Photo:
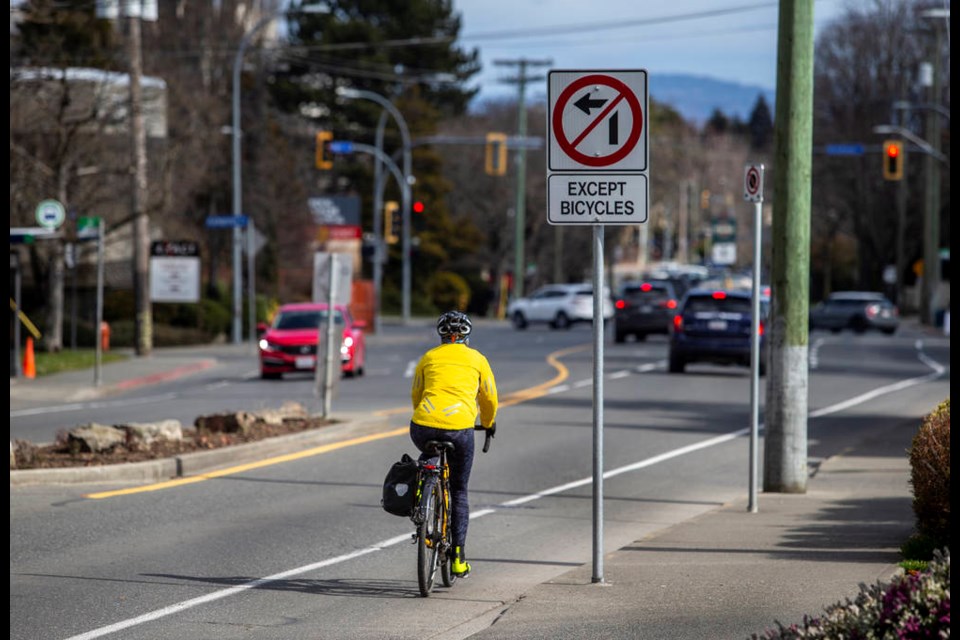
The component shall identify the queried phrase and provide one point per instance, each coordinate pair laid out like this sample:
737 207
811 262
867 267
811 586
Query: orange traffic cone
29 366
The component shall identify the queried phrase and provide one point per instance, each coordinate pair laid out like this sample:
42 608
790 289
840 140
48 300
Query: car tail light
669 304
760 328
719 295
621 304
873 309
678 323
646 286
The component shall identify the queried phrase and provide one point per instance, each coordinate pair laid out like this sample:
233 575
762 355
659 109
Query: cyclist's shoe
458 565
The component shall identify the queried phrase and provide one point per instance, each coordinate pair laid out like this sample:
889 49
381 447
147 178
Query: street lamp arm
906 106
351 93
890 129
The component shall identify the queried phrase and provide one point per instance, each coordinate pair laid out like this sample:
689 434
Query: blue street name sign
844 149
226 222
341 146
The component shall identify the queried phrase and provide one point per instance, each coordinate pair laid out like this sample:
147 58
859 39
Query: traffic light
324 157
495 163
418 207
391 221
705 199
892 160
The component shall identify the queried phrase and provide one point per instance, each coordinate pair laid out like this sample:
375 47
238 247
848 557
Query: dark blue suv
714 326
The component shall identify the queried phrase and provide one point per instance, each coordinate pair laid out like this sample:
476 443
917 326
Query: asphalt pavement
725 574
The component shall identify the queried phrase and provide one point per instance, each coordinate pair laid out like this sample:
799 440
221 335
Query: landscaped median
340 428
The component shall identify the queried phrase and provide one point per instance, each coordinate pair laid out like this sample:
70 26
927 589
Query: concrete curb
203 461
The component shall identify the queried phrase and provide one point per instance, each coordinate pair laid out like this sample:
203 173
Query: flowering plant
915 605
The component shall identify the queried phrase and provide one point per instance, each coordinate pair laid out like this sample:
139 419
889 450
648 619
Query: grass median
71 359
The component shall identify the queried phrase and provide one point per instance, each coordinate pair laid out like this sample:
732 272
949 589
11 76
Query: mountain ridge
697 97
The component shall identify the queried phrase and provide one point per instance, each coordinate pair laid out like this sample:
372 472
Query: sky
733 40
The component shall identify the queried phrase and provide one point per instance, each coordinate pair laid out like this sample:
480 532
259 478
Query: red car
290 342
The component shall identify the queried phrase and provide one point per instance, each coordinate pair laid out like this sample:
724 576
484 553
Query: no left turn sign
597 121
598 155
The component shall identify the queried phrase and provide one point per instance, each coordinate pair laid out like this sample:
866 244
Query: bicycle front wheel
428 542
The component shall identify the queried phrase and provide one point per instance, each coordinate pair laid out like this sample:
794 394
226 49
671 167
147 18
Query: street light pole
350 93
238 183
931 219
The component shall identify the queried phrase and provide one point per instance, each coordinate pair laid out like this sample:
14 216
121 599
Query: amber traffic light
324 159
495 161
391 221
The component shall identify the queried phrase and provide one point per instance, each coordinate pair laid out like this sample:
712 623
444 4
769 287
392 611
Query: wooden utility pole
521 80
785 416
143 335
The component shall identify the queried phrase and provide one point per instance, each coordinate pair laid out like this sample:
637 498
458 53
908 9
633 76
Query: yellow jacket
451 384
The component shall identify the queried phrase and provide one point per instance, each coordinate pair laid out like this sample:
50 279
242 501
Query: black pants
461 461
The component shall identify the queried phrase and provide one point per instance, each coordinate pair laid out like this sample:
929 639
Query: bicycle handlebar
488 436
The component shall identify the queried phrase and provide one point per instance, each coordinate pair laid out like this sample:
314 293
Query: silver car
856 310
558 305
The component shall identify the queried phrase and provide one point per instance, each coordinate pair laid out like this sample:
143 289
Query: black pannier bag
400 487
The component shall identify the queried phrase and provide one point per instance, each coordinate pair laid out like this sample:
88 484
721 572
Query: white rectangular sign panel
591 199
598 154
343 274
175 279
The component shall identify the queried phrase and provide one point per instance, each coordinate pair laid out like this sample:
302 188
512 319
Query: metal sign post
753 192
98 360
597 174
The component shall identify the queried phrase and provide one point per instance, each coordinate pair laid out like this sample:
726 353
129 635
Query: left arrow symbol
585 103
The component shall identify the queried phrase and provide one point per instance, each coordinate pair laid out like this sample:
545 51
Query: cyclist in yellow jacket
452 384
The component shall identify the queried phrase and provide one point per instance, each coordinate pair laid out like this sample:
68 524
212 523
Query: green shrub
919 547
930 475
215 317
448 291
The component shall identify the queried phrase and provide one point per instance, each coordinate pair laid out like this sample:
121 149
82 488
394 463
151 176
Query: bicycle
434 534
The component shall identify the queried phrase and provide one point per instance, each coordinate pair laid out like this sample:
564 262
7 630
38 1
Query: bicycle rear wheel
428 542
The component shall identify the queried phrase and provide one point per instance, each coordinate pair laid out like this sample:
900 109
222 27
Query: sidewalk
729 573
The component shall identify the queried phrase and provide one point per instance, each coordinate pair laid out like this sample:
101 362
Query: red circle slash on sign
624 93
753 181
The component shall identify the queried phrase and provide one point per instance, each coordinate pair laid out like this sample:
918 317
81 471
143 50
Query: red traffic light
418 207
893 150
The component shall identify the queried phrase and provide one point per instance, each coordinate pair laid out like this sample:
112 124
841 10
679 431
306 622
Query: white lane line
619 374
384 544
92 405
815 353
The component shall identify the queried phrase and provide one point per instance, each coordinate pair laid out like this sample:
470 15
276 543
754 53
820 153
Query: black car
714 326
857 310
643 308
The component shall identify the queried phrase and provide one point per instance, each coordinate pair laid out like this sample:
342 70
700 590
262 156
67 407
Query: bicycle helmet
454 323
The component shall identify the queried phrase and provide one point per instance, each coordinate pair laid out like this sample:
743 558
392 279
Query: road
301 549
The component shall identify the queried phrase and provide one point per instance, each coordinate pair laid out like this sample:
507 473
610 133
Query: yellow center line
511 399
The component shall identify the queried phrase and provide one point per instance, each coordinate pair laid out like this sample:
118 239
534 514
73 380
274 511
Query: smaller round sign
50 214
753 183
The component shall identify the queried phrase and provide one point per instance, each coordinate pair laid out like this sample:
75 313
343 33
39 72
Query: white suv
559 305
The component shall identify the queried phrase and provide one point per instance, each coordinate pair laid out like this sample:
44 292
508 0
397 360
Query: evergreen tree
760 125
406 53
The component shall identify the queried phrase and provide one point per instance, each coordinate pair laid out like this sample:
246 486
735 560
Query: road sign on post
50 214
598 151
